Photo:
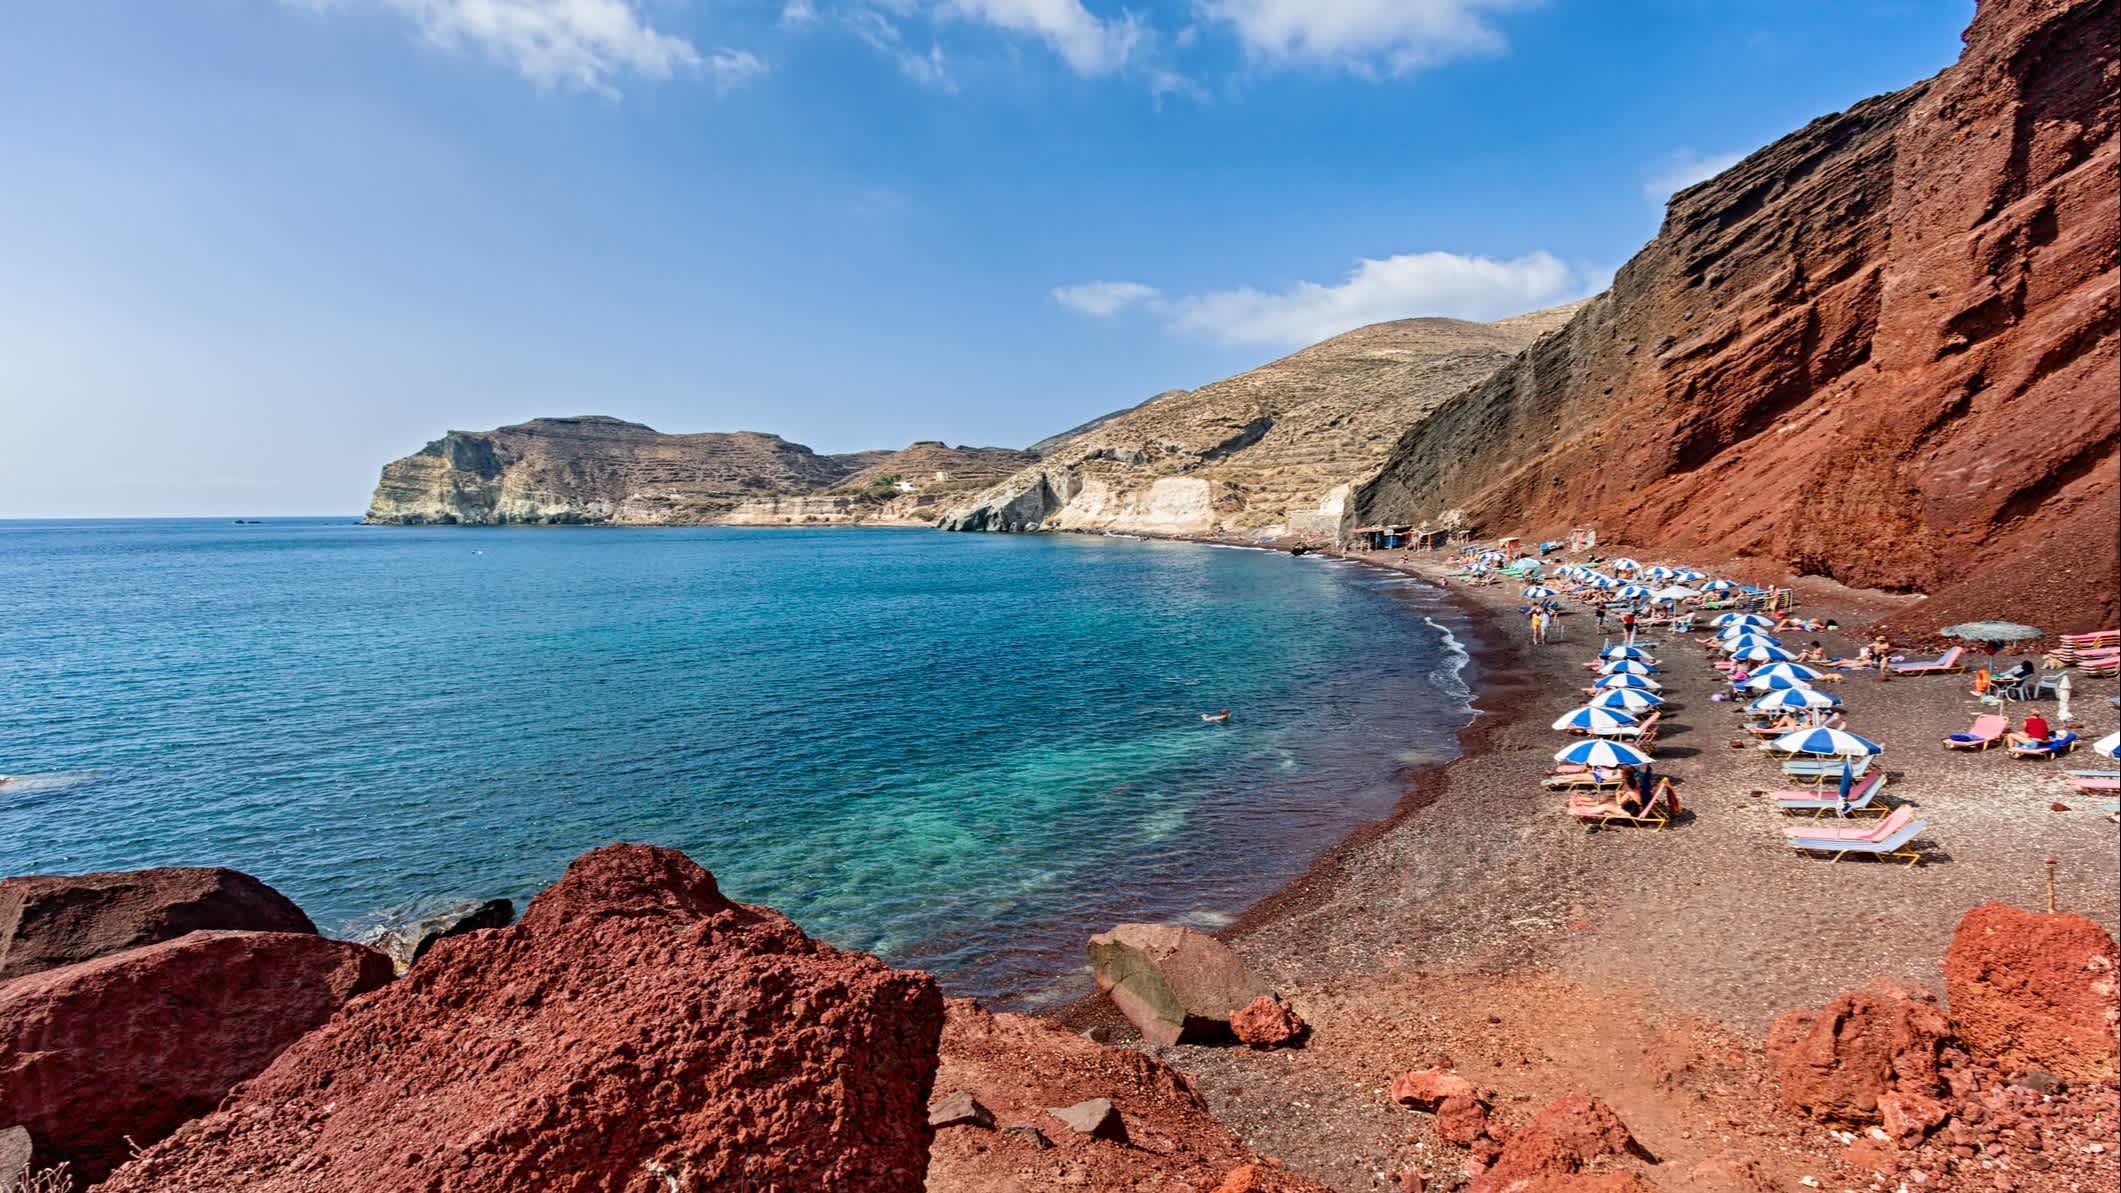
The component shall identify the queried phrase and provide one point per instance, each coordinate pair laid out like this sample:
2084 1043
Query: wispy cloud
1399 287
1088 44
1396 36
584 44
1104 298
798 14
1682 169
731 69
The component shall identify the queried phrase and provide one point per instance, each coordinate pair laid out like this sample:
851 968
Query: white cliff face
1170 505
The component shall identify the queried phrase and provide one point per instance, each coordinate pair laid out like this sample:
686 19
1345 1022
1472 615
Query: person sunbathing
2037 731
1813 652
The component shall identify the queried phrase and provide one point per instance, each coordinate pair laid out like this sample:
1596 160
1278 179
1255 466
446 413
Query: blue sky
251 249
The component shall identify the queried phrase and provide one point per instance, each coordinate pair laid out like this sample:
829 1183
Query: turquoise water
965 752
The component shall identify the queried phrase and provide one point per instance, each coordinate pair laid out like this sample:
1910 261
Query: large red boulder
1552 1150
131 1045
1834 1063
49 920
1176 984
2035 991
635 1032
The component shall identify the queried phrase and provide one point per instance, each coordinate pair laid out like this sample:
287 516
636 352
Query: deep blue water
965 752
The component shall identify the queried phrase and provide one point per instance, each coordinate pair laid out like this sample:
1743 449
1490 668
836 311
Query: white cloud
731 69
1401 287
1682 170
929 69
1104 298
1401 35
554 43
798 14
1089 45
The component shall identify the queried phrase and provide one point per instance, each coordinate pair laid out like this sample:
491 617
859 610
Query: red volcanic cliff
1881 349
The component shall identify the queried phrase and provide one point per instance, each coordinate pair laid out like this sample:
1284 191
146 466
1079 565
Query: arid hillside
1272 449
1881 349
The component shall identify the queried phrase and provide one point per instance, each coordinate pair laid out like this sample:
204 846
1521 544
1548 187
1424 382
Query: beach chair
1642 731
1597 813
2090 783
1585 779
1898 846
1877 830
1948 661
1986 731
1819 770
1863 800
2061 743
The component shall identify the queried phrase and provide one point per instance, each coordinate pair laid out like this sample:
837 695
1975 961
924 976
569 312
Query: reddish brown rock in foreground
2036 991
635 1032
1426 1089
1899 321
1019 1067
1833 1064
1550 1153
49 920
1175 984
1266 1022
133 1044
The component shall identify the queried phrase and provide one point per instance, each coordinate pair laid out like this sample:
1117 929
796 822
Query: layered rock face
128 1046
635 1031
2037 991
49 920
596 470
1881 349
1269 450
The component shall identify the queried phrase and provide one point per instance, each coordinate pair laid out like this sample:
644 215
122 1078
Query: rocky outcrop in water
593 470
129 1046
1881 349
49 920
635 1032
1269 451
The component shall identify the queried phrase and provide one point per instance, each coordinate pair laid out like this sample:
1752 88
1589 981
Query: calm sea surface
965 752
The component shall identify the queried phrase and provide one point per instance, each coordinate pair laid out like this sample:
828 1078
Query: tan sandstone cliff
597 470
1272 450
1881 349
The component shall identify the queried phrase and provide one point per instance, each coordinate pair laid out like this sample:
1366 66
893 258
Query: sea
962 752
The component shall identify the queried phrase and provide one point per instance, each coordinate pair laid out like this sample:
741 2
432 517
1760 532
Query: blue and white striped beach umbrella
1763 652
1730 619
1790 670
1737 642
1621 650
1763 682
2110 745
1593 719
1629 592
1599 752
1677 592
1643 682
1689 576
1623 564
1660 572
1626 667
1627 699
1829 743
1604 581
1794 700
1538 592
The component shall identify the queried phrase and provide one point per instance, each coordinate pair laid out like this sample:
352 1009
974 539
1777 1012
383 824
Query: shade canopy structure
1626 667
1599 752
1628 699
1689 575
1538 592
1992 631
1794 700
2110 745
1826 743
1642 682
1621 650
1762 682
1790 671
1729 619
1763 652
1592 718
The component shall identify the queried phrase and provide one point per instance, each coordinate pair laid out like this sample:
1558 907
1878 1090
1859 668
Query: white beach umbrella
1731 619
1538 591
1627 699
1790 670
1732 646
1602 753
1763 652
1621 650
1762 682
1629 592
1643 682
1793 700
1626 667
1689 575
2110 745
1592 718
1659 572
1831 743
1623 564
1676 592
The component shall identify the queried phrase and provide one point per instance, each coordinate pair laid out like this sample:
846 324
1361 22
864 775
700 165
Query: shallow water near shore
963 752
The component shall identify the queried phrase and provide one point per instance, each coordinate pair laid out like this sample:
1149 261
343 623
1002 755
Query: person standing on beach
1601 620
1627 626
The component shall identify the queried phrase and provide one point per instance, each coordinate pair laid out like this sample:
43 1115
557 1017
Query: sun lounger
2091 783
1581 780
1863 799
1596 812
2061 743
1822 769
2096 774
1897 846
1986 731
1877 830
1948 661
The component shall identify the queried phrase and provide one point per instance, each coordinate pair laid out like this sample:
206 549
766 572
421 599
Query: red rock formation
1883 349
1266 1022
635 1032
1426 1089
131 1045
1551 1151
49 920
2035 991
1835 1063
1019 1067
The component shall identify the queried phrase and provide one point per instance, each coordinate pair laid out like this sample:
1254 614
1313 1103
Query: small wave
1205 918
49 781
